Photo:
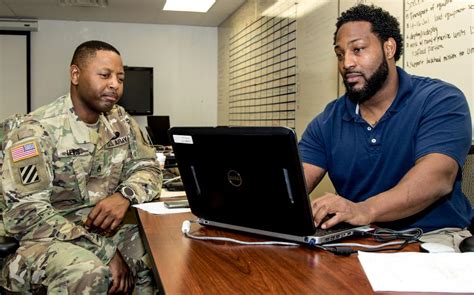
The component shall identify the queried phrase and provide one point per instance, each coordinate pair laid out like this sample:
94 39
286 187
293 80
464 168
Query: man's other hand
108 213
122 278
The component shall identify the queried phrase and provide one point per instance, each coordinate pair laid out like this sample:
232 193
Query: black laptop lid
245 176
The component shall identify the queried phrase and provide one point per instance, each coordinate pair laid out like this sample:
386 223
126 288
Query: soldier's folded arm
141 170
28 185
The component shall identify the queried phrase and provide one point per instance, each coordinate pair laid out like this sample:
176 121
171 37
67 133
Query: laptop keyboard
334 229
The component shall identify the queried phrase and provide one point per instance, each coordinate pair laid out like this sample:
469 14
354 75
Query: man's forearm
430 179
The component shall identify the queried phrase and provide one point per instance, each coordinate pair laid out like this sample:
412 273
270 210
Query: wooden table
186 266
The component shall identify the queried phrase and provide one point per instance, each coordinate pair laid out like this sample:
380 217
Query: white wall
13 77
184 59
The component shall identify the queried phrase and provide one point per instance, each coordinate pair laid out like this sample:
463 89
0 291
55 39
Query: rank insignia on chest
24 151
29 174
118 141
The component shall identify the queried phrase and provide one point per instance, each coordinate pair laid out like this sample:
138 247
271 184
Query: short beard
373 84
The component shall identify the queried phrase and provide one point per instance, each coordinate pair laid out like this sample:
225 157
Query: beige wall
317 72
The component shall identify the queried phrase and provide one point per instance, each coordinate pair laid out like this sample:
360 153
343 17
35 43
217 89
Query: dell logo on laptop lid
234 178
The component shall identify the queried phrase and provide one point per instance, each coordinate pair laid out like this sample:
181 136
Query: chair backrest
2 204
468 176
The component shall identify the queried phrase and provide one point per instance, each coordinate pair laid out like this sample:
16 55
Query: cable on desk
186 228
171 180
381 235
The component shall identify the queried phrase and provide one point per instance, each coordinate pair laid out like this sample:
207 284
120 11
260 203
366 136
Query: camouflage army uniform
56 168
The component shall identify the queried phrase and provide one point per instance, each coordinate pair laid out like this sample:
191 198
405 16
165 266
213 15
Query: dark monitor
137 98
159 125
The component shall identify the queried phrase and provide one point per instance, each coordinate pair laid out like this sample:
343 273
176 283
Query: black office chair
8 245
468 181
468 188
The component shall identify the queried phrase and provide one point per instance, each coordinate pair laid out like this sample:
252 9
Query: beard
372 85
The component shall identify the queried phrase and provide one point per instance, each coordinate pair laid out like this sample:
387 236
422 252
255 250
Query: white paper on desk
170 194
159 208
419 272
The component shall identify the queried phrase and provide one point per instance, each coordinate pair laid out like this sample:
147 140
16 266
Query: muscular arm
431 178
313 175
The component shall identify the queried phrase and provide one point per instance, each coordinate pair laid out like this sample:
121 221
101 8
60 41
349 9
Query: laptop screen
245 176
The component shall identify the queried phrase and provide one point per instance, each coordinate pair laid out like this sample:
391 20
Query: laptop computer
249 179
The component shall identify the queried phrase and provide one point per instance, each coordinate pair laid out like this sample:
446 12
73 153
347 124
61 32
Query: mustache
112 94
353 72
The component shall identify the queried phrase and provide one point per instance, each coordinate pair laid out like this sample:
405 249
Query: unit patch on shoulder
29 174
24 151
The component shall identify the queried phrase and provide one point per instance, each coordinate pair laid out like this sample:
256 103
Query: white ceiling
133 11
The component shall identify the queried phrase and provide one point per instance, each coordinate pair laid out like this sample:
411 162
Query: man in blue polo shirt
394 144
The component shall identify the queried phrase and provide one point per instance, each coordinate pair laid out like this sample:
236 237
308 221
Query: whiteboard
439 42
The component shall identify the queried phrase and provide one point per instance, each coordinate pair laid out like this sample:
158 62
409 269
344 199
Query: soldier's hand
108 213
122 278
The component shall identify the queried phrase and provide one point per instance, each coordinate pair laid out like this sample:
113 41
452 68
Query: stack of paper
419 272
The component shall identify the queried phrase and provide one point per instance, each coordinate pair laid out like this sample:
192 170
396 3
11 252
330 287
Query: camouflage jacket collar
110 126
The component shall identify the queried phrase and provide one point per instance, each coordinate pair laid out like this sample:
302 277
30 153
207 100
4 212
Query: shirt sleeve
446 125
141 171
312 147
27 180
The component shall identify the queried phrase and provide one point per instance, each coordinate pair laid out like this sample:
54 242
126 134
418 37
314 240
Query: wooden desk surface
186 266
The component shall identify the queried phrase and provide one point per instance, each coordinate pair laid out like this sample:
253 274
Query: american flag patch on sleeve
24 151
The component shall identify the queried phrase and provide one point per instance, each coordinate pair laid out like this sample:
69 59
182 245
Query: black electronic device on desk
174 185
177 204
170 161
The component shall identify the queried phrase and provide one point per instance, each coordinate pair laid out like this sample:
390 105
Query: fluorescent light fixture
189 5
287 9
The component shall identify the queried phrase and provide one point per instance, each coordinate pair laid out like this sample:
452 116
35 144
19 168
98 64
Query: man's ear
390 47
75 72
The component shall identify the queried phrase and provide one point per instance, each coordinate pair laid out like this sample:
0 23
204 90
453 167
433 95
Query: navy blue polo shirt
427 116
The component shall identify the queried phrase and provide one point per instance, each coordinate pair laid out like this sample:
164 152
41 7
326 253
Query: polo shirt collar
404 89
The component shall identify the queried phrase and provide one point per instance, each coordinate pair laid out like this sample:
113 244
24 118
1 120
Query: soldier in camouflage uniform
71 170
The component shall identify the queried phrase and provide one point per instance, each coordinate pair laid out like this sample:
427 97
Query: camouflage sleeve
27 179
141 171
